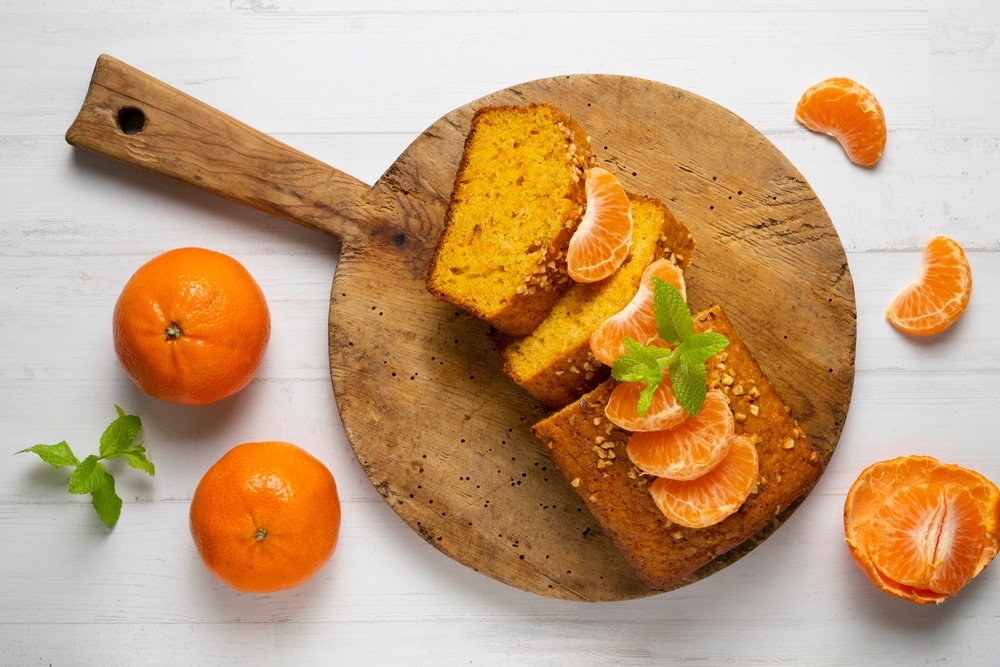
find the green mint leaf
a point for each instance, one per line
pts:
(88, 476)
(686, 362)
(57, 456)
(638, 364)
(119, 434)
(135, 456)
(646, 397)
(106, 501)
(673, 319)
(688, 381)
(701, 347)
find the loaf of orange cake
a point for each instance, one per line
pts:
(518, 197)
(590, 452)
(554, 362)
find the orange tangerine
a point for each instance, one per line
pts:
(191, 326)
(266, 516)
(602, 240)
(939, 295)
(690, 449)
(921, 529)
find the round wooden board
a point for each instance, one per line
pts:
(445, 436)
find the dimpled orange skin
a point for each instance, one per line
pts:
(266, 517)
(191, 326)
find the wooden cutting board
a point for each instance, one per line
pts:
(438, 428)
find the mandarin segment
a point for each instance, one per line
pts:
(637, 320)
(664, 412)
(921, 529)
(850, 113)
(602, 240)
(690, 449)
(714, 496)
(939, 295)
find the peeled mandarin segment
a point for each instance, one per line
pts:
(884, 538)
(928, 536)
(664, 412)
(604, 236)
(637, 320)
(690, 449)
(719, 493)
(848, 112)
(939, 295)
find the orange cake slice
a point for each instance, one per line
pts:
(590, 452)
(518, 197)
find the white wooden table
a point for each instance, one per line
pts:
(353, 83)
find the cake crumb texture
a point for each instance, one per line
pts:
(518, 197)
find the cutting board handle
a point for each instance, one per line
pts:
(132, 117)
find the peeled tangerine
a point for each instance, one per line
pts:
(921, 529)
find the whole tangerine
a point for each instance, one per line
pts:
(191, 326)
(266, 516)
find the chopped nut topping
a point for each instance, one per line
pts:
(740, 417)
(575, 483)
(789, 443)
(754, 410)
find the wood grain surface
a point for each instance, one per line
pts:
(439, 430)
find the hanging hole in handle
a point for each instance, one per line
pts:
(131, 120)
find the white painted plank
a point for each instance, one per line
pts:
(74, 226)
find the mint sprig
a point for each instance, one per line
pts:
(684, 363)
(90, 475)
